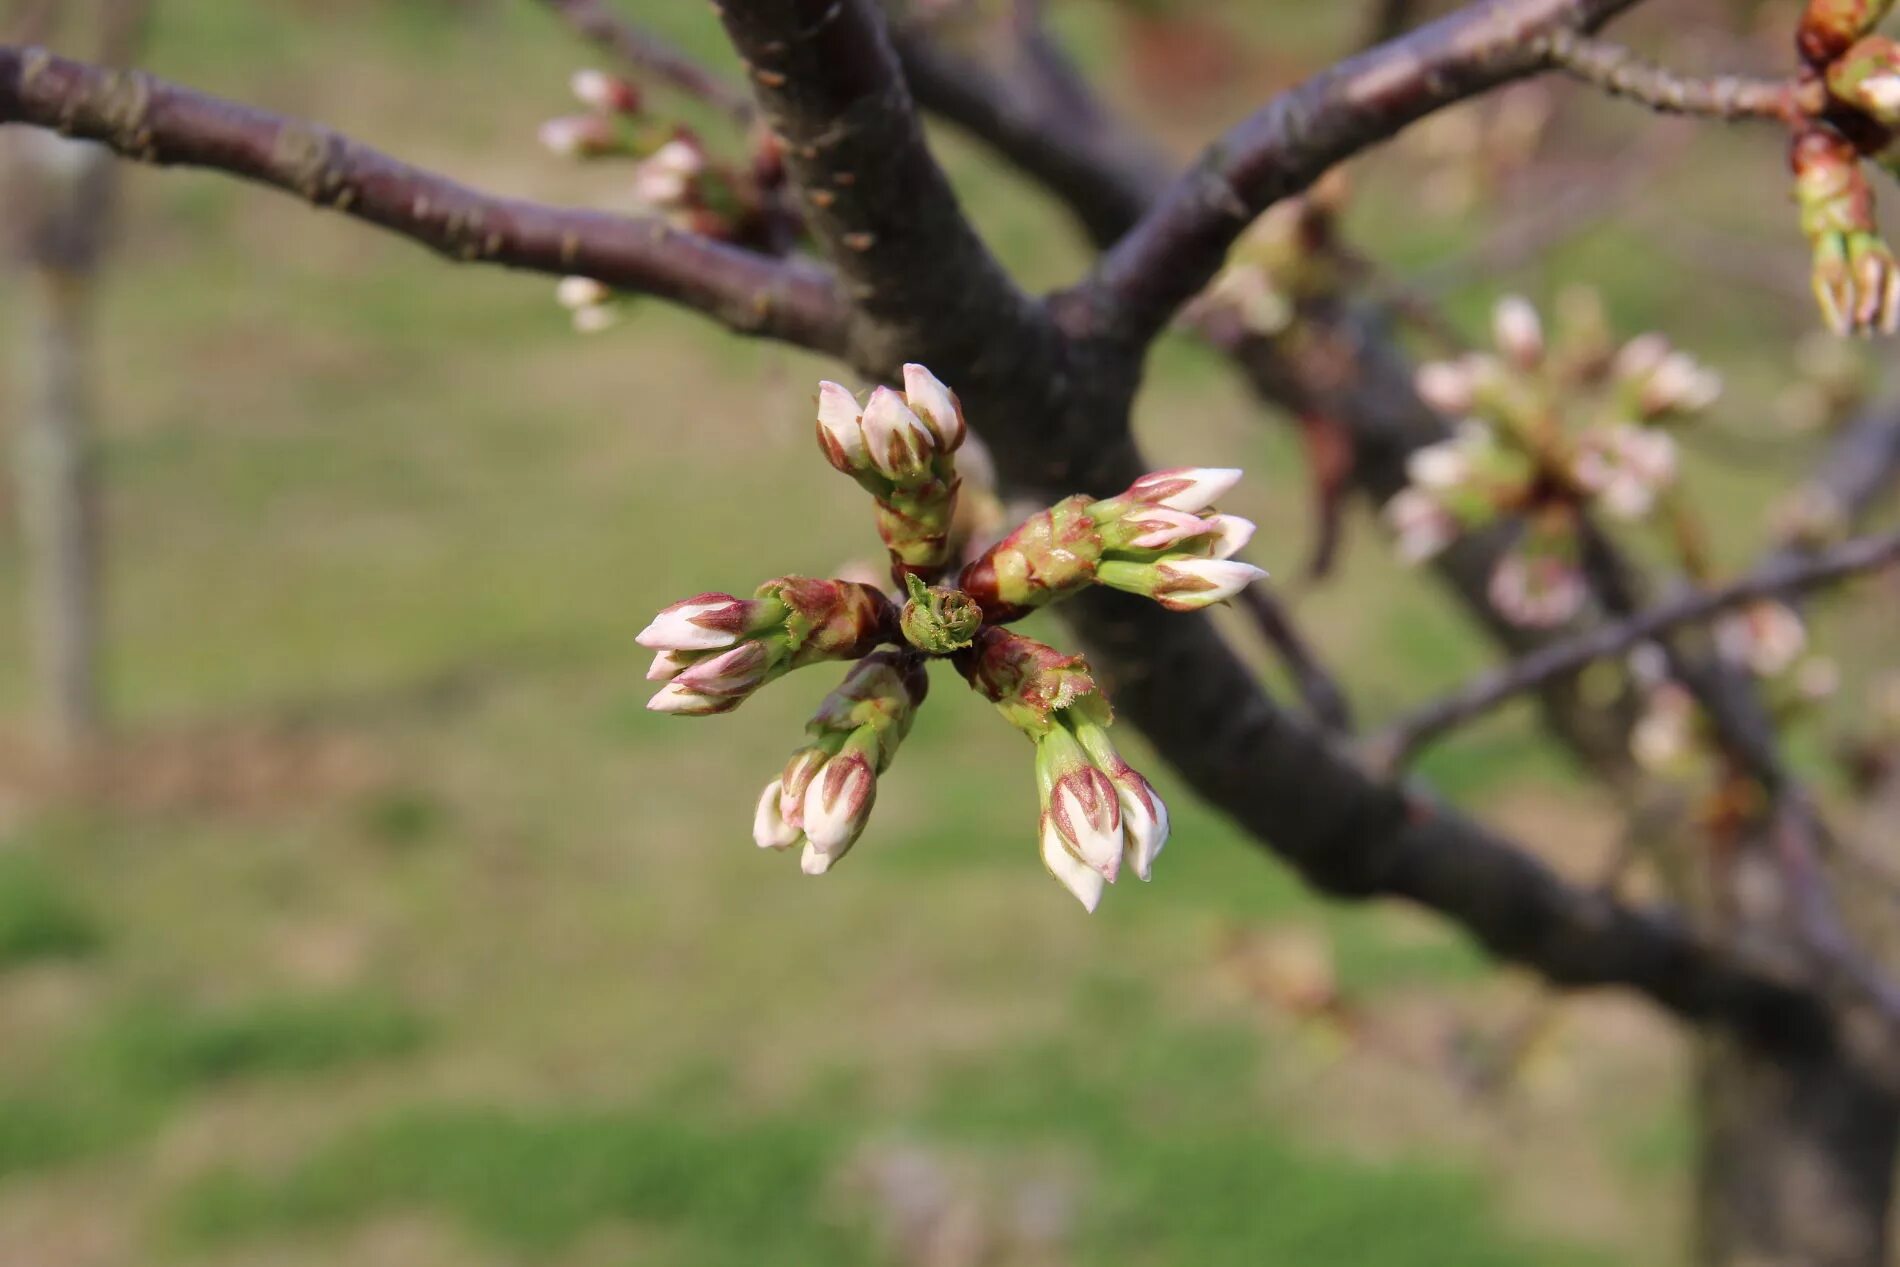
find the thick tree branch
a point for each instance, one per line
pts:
(147, 119)
(651, 56)
(873, 195)
(1779, 578)
(1283, 148)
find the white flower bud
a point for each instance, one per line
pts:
(1086, 814)
(769, 828)
(899, 444)
(1439, 466)
(1421, 525)
(1231, 534)
(840, 428)
(1086, 884)
(705, 622)
(1518, 331)
(576, 293)
(936, 404)
(1185, 487)
(1144, 820)
(838, 802)
(1446, 386)
(1190, 584)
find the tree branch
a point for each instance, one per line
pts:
(1325, 699)
(1488, 690)
(874, 197)
(1622, 73)
(647, 53)
(147, 119)
(1284, 147)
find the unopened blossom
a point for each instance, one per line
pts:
(1450, 387)
(664, 180)
(1097, 812)
(1159, 538)
(823, 798)
(1855, 279)
(1518, 331)
(1627, 467)
(589, 302)
(715, 650)
(1767, 636)
(1421, 525)
(581, 136)
(609, 94)
(1537, 588)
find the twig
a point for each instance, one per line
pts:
(1621, 72)
(647, 53)
(1324, 697)
(1178, 246)
(145, 118)
(1493, 687)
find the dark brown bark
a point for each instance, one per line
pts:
(1796, 1163)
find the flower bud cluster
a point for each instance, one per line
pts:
(899, 447)
(823, 798)
(1547, 429)
(1160, 538)
(1096, 810)
(715, 650)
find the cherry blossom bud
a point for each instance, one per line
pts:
(1440, 466)
(1765, 635)
(738, 671)
(841, 429)
(595, 320)
(1446, 386)
(1086, 884)
(580, 136)
(1518, 331)
(1867, 77)
(1537, 591)
(576, 293)
(1421, 524)
(899, 444)
(1158, 528)
(769, 828)
(1626, 467)
(1231, 535)
(606, 93)
(1183, 487)
(1640, 357)
(1180, 583)
(685, 702)
(668, 665)
(701, 623)
(1144, 816)
(838, 802)
(936, 405)
(1679, 386)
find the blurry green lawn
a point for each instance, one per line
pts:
(407, 936)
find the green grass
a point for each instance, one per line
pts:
(41, 916)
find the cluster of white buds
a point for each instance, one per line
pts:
(823, 798)
(603, 131)
(714, 650)
(1546, 429)
(1160, 538)
(591, 304)
(666, 181)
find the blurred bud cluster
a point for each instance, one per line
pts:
(1547, 430)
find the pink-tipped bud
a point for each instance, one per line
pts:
(1440, 466)
(1144, 820)
(739, 671)
(1537, 592)
(576, 293)
(685, 702)
(1085, 883)
(1766, 635)
(841, 428)
(704, 622)
(1087, 816)
(1231, 534)
(1184, 487)
(769, 828)
(797, 780)
(1191, 584)
(1421, 525)
(838, 802)
(936, 404)
(1679, 386)
(1447, 386)
(1518, 331)
(1158, 528)
(1640, 357)
(579, 136)
(668, 665)
(596, 319)
(899, 444)
(607, 93)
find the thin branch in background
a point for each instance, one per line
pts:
(145, 118)
(1485, 692)
(651, 56)
(1178, 246)
(1620, 72)
(1320, 690)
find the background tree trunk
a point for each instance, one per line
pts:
(1796, 1158)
